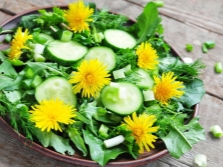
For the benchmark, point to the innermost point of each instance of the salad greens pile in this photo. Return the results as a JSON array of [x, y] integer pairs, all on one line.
[[42, 60]]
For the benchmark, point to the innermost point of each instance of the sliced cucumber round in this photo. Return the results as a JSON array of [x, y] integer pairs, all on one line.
[[65, 52], [48, 38], [119, 39], [122, 98], [56, 88], [104, 54], [145, 81]]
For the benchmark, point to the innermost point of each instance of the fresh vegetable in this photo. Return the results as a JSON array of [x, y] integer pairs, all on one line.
[[103, 54], [209, 44], [189, 47], [122, 98], [119, 39], [56, 87], [72, 51], [200, 160], [105, 78], [216, 131], [218, 67]]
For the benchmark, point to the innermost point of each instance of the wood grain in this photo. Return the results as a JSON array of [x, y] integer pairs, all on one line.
[[191, 21]]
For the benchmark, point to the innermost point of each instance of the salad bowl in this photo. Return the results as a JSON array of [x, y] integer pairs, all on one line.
[[77, 158]]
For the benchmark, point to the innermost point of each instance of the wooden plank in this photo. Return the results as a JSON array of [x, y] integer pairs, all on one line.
[[4, 17]]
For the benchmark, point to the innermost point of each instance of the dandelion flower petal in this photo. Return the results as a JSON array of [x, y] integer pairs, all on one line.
[[142, 130], [90, 78], [166, 87], [147, 56], [50, 113], [78, 16]]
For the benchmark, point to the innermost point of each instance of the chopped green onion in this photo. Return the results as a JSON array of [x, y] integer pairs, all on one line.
[[159, 3], [216, 131], [210, 44], [189, 47], [118, 74], [187, 60], [204, 48], [39, 58], [218, 67], [36, 81], [148, 95], [8, 38], [114, 141], [103, 131], [66, 36], [200, 160], [29, 73]]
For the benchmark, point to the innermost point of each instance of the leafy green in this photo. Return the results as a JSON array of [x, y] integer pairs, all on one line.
[[48, 69], [181, 138], [185, 72], [104, 20], [59, 143], [8, 75], [98, 151], [28, 21], [77, 139], [48, 18], [126, 57], [17, 114], [147, 22], [194, 91]]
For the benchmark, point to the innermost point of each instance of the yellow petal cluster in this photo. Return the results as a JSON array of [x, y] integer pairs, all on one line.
[[147, 56], [49, 114], [167, 87], [141, 127], [18, 43], [90, 78], [78, 16]]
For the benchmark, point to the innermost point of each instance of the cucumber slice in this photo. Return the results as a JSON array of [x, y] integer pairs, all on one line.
[[119, 39], [145, 80], [48, 38], [104, 54], [56, 87], [65, 53], [122, 98]]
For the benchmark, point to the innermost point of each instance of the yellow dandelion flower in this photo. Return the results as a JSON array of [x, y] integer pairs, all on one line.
[[166, 87], [18, 43], [142, 130], [78, 16], [49, 113], [90, 78], [147, 56]]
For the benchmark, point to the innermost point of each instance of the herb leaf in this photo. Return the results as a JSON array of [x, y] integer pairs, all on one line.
[[181, 138], [98, 151], [194, 92], [60, 144], [147, 22]]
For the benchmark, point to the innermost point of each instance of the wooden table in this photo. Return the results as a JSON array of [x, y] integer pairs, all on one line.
[[191, 21]]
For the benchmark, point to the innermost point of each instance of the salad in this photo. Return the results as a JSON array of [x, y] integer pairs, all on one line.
[[87, 80]]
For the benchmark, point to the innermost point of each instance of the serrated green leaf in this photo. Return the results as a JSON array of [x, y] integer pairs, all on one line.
[[147, 22], [77, 139], [98, 151], [59, 143], [181, 138]]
